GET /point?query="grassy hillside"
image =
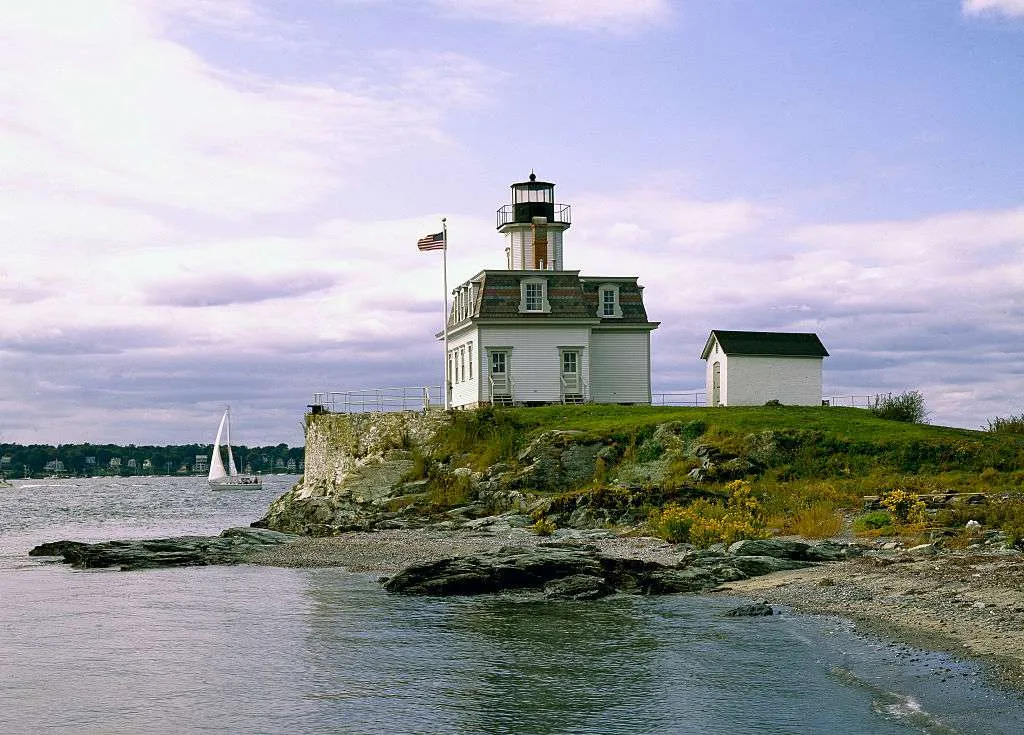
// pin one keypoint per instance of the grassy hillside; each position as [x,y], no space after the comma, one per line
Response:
[803,468]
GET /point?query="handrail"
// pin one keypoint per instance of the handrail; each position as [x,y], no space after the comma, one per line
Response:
[562,214]
[851,401]
[679,398]
[511,384]
[378,400]
[576,382]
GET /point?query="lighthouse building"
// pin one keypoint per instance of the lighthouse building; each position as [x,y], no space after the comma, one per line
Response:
[537,333]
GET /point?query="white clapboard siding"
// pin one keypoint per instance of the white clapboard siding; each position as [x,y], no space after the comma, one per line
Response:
[755,380]
[465,390]
[534,358]
[620,367]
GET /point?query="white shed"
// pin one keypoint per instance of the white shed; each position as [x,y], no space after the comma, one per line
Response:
[752,368]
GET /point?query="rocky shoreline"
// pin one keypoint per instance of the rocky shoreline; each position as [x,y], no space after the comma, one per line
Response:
[966,602]
[969,603]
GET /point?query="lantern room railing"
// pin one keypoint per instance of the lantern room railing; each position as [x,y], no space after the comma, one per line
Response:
[562,215]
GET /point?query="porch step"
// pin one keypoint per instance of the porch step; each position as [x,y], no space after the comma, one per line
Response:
[573,398]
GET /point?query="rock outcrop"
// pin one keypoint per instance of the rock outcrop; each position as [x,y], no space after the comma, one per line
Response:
[579,571]
[232,546]
[355,471]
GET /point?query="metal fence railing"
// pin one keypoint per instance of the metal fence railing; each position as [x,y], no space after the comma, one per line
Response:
[850,401]
[378,400]
[679,398]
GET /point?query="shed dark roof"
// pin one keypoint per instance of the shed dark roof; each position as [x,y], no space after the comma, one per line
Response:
[782,344]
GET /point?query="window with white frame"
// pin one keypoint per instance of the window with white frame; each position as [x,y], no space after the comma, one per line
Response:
[462,363]
[469,361]
[608,302]
[534,296]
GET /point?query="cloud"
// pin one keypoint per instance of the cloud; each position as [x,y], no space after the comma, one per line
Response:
[81,340]
[1009,8]
[103,104]
[233,288]
[600,15]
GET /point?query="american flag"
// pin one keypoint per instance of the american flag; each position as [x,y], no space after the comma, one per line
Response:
[431,242]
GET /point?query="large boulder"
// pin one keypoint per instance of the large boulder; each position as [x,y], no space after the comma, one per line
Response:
[776,547]
[495,571]
[758,609]
[576,571]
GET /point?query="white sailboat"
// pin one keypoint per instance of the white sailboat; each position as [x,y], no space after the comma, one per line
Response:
[228,478]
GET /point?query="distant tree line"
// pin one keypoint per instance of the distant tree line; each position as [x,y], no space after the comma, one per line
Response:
[40,460]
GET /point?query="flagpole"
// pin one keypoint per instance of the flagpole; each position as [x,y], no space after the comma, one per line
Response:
[444,266]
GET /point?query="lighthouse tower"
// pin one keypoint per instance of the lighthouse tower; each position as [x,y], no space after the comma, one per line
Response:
[533,225]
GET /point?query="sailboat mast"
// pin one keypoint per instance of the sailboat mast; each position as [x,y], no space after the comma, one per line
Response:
[232,470]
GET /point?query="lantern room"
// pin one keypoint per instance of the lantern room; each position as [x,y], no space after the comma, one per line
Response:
[533,225]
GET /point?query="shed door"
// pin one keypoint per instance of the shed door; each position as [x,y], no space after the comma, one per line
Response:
[716,384]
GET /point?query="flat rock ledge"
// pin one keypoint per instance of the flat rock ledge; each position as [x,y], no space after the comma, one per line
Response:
[582,572]
[232,546]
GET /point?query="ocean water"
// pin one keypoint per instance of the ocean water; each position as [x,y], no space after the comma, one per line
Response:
[249,649]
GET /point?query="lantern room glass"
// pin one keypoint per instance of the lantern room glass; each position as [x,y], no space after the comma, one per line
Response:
[524,193]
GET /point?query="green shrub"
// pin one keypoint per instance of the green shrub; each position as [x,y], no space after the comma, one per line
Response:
[908,407]
[488,435]
[904,506]
[817,521]
[1009,425]
[673,523]
[875,520]
[447,489]
[544,527]
[420,466]
[704,522]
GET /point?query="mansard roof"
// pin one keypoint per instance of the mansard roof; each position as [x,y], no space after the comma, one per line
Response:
[496,295]
[631,296]
[768,344]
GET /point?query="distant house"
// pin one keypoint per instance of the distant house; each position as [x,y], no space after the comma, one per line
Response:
[536,333]
[752,368]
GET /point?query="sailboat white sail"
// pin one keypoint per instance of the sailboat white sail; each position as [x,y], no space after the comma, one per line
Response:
[228,478]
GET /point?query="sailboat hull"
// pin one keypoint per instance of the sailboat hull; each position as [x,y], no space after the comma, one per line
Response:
[238,482]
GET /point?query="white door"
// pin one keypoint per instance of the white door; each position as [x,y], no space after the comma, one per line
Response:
[570,372]
[500,383]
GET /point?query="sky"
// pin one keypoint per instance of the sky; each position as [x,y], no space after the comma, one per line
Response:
[210,202]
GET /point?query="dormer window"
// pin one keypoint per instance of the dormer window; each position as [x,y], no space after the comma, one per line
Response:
[608,306]
[534,296]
